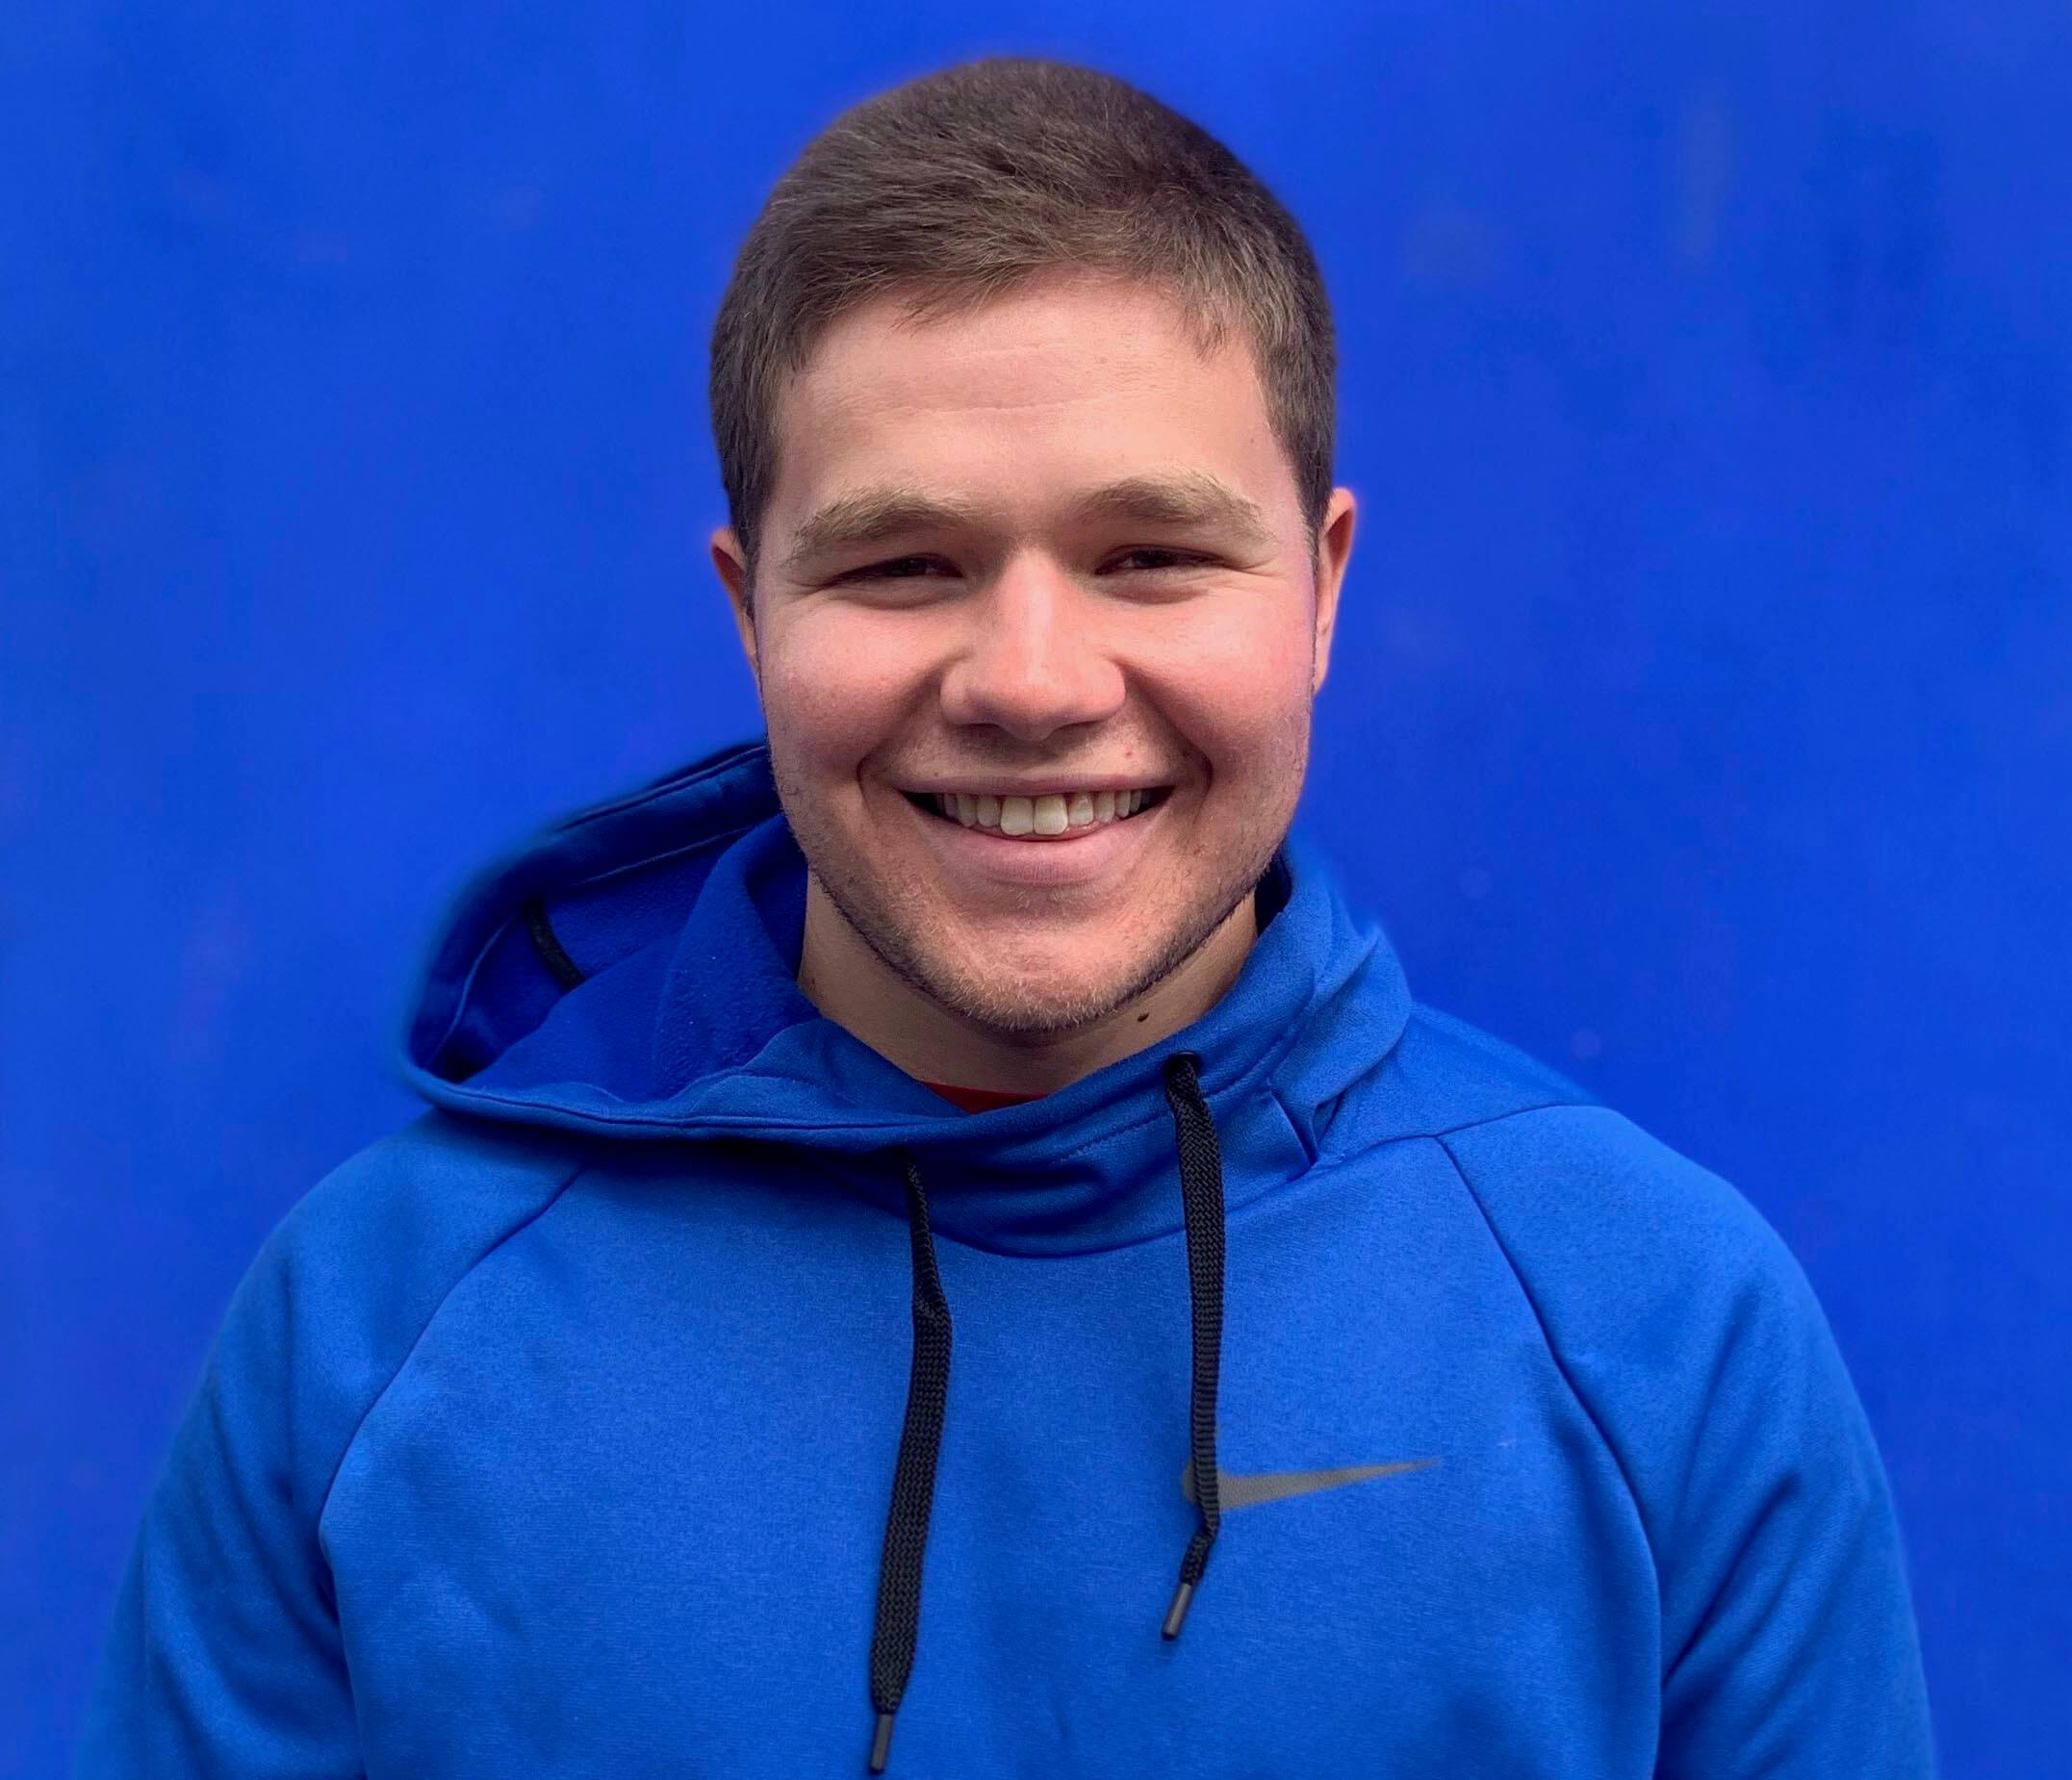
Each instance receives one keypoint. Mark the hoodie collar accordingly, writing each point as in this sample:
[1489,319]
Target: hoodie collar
[674,1013]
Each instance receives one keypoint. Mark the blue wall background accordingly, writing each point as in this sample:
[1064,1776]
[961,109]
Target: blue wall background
[1702,719]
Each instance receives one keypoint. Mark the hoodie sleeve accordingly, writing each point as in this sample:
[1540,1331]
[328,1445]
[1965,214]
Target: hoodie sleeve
[225,1658]
[1694,1342]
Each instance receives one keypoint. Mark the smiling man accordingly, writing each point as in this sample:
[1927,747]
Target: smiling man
[604,1420]
[1036,663]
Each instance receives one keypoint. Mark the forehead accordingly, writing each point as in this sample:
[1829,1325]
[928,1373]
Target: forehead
[1021,406]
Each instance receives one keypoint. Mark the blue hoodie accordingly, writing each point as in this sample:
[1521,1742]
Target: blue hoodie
[689,1390]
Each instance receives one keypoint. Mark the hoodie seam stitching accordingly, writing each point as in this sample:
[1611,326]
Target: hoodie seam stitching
[1241,1207]
[691,774]
[1321,1161]
[662,1127]
[417,1341]
[1312,1150]
[1329,1159]
[460,998]
[1498,1118]
[1553,1351]
[718,840]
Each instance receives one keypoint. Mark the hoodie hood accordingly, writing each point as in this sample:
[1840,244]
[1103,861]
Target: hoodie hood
[631,975]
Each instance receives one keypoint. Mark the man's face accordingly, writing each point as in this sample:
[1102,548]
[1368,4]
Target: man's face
[1024,571]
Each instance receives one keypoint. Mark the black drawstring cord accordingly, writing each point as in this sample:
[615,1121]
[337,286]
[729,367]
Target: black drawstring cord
[1201,1198]
[913,1480]
[928,1391]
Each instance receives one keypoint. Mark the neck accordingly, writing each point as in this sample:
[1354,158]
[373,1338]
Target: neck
[853,986]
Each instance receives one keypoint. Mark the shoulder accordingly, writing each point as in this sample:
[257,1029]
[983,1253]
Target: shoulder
[1677,1315]
[1567,1185]
[425,1197]
[1584,1202]
[1692,1339]
[1469,1077]
[363,1261]
[347,1282]
[1668,1303]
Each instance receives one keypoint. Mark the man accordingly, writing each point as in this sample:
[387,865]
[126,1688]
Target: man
[1335,1390]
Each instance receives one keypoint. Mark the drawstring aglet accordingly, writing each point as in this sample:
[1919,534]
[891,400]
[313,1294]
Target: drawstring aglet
[880,1743]
[1177,1612]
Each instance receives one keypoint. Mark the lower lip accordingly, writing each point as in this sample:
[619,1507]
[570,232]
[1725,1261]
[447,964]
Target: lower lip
[1077,857]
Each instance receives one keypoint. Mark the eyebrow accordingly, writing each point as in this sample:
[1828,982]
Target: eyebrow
[868,516]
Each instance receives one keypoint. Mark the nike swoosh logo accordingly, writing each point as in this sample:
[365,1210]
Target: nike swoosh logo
[1247,1488]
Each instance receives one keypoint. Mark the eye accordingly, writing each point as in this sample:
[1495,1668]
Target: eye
[897,569]
[1159,557]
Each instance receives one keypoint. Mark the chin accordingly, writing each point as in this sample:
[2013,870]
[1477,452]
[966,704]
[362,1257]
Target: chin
[1024,990]
[1032,1008]
[1045,990]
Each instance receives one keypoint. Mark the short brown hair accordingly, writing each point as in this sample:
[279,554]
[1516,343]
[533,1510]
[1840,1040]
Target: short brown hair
[956,187]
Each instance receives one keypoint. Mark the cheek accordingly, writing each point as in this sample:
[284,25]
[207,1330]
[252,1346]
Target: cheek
[835,684]
[1237,684]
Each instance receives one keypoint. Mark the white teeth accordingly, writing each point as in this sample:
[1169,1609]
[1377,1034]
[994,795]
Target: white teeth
[1046,815]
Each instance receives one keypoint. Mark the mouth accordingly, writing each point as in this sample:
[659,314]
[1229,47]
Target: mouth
[1047,816]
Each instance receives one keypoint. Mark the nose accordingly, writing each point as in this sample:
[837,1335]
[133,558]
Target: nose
[1035,662]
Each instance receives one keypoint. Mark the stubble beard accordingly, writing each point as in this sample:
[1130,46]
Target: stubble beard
[896,928]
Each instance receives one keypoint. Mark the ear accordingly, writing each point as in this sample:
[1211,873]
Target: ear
[1334,550]
[731,562]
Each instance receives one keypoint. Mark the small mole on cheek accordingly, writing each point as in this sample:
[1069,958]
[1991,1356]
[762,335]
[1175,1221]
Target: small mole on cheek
[1141,1018]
